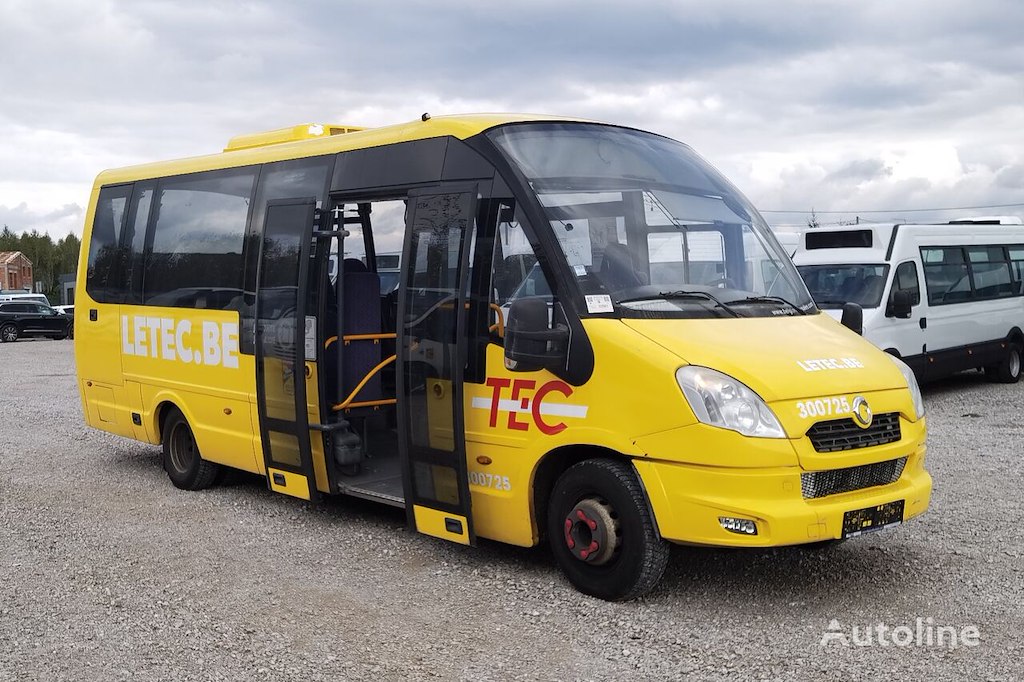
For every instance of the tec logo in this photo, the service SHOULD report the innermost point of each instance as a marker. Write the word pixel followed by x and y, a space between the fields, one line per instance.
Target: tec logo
pixel 522 397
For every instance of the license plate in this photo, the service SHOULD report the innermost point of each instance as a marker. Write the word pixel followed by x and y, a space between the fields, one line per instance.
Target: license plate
pixel 870 519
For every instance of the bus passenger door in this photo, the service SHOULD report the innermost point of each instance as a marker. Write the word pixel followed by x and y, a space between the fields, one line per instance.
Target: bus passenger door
pixel 432 347
pixel 284 343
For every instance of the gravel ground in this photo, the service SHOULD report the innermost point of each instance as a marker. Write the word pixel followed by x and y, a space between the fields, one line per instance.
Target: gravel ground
pixel 107 572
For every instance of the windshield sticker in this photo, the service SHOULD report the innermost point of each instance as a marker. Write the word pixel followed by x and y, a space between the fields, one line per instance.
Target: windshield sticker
pixel 820 364
pixel 600 303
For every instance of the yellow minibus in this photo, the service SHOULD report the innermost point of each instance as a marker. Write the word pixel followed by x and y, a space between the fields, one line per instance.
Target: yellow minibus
pixel 594 341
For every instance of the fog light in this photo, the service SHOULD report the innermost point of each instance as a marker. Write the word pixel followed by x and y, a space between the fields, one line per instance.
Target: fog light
pixel 741 526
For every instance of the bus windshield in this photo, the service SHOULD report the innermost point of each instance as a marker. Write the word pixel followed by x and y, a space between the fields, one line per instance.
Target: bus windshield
pixel 833 285
pixel 648 228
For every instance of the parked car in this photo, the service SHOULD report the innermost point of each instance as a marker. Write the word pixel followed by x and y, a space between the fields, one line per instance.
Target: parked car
pixel 22 296
pixel 68 310
pixel 27 318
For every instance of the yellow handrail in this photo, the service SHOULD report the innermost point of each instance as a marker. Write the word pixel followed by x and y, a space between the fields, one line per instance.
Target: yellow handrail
pixel 347 402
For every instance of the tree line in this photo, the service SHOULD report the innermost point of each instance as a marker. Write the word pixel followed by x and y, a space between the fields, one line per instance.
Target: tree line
pixel 49 259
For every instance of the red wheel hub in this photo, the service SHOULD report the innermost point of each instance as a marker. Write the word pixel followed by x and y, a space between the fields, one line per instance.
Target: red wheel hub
pixel 591 531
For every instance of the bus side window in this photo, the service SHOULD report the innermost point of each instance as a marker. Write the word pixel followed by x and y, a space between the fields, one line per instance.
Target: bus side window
pixel 195 257
pixel 103 278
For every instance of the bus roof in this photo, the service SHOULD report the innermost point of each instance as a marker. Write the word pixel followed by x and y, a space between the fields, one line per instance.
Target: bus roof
pixel 317 139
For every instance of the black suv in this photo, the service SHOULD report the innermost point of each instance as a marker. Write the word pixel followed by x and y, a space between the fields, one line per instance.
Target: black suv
pixel 18 319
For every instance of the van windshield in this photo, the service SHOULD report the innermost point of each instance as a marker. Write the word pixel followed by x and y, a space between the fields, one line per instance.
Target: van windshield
pixel 648 228
pixel 833 285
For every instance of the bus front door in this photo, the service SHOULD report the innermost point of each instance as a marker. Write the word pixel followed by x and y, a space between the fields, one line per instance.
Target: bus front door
pixel 285 346
pixel 432 348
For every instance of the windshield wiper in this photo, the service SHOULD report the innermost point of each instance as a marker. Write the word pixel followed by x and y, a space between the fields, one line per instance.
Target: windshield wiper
pixel 770 299
pixel 702 295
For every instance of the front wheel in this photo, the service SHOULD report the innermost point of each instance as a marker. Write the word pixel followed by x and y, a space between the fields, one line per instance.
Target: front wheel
pixel 602 533
pixel 183 463
pixel 1008 371
pixel 8 333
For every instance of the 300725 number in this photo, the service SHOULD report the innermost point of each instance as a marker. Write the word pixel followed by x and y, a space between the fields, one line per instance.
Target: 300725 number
pixel 824 407
pixel 494 481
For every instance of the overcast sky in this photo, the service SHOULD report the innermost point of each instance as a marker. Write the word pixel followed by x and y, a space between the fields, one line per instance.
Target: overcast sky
pixel 845 106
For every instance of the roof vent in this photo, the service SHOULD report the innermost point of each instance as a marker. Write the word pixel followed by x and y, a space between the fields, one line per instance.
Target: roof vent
pixel 305 131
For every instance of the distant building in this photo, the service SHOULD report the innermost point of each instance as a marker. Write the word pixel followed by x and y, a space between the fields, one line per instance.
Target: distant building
pixel 15 270
pixel 67 289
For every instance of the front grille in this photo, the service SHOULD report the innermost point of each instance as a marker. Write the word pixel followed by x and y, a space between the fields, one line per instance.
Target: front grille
pixel 844 434
pixel 834 481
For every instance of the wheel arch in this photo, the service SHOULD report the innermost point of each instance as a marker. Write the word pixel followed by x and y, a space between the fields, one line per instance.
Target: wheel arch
pixel 162 411
pixel 554 464
pixel 1016 336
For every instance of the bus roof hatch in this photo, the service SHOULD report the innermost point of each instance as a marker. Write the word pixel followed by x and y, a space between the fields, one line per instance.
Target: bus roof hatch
pixel 304 131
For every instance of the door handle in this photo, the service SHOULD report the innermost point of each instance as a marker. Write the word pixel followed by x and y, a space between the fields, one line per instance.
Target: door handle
pixel 924 323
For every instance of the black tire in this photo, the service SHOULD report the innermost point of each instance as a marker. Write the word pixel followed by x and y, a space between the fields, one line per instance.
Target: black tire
pixel 183 463
pixel 8 333
pixel 1009 370
pixel 619 557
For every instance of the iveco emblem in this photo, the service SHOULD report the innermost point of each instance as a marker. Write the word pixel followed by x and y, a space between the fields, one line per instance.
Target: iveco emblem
pixel 861 412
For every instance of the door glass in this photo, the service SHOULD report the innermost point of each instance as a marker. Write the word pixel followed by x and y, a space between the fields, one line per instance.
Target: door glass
pixel 280 329
pixel 431 363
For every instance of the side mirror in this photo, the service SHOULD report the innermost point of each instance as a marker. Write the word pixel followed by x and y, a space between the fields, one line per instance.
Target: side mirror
pixel 530 341
pixel 853 317
pixel 900 305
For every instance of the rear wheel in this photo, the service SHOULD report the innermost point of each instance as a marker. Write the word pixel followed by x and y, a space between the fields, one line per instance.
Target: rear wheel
pixel 602 533
pixel 1008 371
pixel 183 463
pixel 8 333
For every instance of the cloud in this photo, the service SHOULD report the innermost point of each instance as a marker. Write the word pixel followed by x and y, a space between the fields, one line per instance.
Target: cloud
pixel 799 103
pixel 860 171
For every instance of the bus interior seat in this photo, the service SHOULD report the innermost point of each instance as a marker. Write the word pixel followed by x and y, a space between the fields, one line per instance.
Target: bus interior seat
pixel 359 287
pixel 871 289
pixel 617 270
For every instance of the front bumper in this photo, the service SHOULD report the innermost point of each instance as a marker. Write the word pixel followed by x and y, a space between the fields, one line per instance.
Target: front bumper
pixel 687 501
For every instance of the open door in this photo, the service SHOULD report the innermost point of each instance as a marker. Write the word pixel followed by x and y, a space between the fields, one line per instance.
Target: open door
pixel 285 344
pixel 432 348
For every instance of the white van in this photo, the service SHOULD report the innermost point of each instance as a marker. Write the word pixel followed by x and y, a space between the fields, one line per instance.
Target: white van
pixel 23 296
pixel 968 314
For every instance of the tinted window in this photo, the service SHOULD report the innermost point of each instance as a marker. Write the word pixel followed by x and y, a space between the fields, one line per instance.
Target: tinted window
pixel 195 259
pixel 135 240
pixel 103 278
pixel 301 178
pixel 957 274
pixel 906 280
pixel 990 272
pixel 945 274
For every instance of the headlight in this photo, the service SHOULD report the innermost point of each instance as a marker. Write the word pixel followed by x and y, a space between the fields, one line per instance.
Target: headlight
pixel 719 400
pixel 915 390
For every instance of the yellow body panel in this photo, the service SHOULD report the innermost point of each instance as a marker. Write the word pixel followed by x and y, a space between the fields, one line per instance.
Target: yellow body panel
pixel 289 483
pixel 692 472
pixel 460 127
pixel 436 523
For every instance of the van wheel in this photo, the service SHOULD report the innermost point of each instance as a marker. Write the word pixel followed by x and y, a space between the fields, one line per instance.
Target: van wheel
pixel 9 333
pixel 1007 371
pixel 601 531
pixel 183 463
